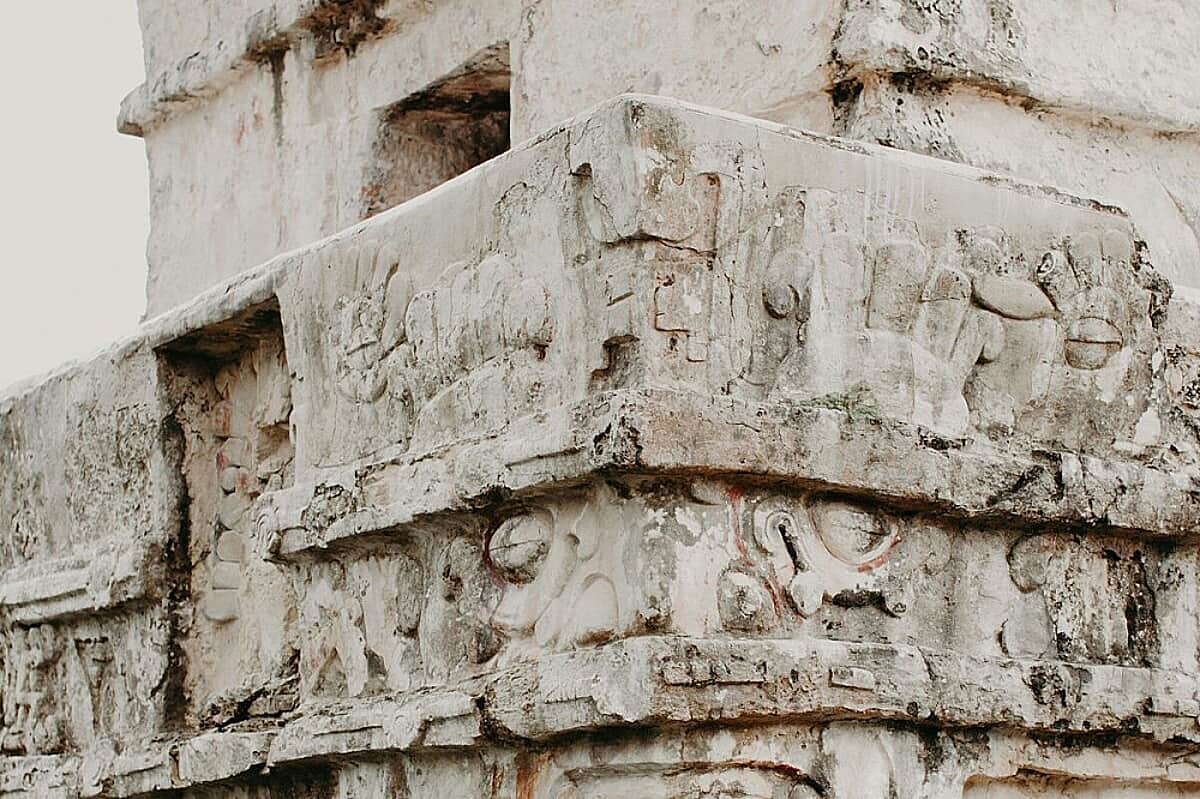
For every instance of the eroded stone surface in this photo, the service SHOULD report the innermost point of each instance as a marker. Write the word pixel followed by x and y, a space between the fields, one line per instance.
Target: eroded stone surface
pixel 239 92
pixel 671 454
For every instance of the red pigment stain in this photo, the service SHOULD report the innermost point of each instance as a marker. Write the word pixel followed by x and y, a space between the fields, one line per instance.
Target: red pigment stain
pixel 527 772
pixel 881 558
pixel 735 495
pixel 492 572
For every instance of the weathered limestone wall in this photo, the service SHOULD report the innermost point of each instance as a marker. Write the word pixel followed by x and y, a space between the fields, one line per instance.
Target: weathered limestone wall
pixel 295 120
pixel 645 448
pixel 1084 96
pixel 276 121
pixel 672 454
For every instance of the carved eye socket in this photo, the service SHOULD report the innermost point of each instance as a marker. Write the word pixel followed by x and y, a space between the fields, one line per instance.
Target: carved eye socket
pixel 518 547
pixel 779 298
pixel 851 533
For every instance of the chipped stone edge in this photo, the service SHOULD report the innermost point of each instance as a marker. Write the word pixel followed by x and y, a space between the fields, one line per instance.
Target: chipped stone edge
pixel 118 573
pixel 639 429
pixel 652 681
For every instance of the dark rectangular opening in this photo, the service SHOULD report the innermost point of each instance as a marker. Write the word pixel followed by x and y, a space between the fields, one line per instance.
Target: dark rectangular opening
pixel 450 126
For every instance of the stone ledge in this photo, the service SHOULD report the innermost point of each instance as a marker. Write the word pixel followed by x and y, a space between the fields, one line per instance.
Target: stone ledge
pixel 656 682
pixel 116 573
pixel 309 34
pixel 1008 52
pixel 659 432
pixel 1025 51
pixel 265 35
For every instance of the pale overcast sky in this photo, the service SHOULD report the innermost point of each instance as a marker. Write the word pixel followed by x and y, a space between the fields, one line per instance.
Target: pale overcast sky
pixel 74 199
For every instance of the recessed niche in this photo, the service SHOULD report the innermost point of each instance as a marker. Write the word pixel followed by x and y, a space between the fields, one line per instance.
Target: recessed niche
pixel 231 395
pixel 454 124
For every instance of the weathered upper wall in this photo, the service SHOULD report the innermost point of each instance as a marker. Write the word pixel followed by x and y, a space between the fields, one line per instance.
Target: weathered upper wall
pixel 763 59
pixel 282 123
pixel 1086 98
pixel 1101 61
pixel 309 132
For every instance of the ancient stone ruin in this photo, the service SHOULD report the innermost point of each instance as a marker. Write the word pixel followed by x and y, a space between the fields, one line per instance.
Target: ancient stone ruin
pixel 831 429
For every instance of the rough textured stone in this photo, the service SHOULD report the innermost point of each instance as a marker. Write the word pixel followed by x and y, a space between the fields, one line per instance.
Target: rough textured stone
pixel 670 453
pixel 229 106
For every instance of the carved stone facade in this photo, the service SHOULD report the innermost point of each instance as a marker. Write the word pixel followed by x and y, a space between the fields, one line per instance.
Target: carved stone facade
pixel 673 453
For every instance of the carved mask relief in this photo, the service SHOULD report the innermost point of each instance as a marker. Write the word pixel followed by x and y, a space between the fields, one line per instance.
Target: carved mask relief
pixel 415 362
pixel 562 573
pixel 888 325
pixel 817 548
pixel 976 331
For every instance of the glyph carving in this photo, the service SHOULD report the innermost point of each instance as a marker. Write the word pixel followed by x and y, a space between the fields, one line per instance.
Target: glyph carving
pixel 563 572
pixel 415 353
pixel 368 329
pixel 71 477
pixel 475 338
pixel 1086 606
pixel 885 321
pixel 34 723
pixel 23 496
pixel 395 620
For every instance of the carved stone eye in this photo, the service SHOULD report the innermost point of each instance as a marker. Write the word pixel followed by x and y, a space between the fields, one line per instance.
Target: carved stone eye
pixel 851 533
pixel 779 298
pixel 519 546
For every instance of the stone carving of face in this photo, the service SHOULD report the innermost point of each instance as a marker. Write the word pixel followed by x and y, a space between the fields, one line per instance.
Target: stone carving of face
pixel 821 546
pixel 560 568
pixel 1083 282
